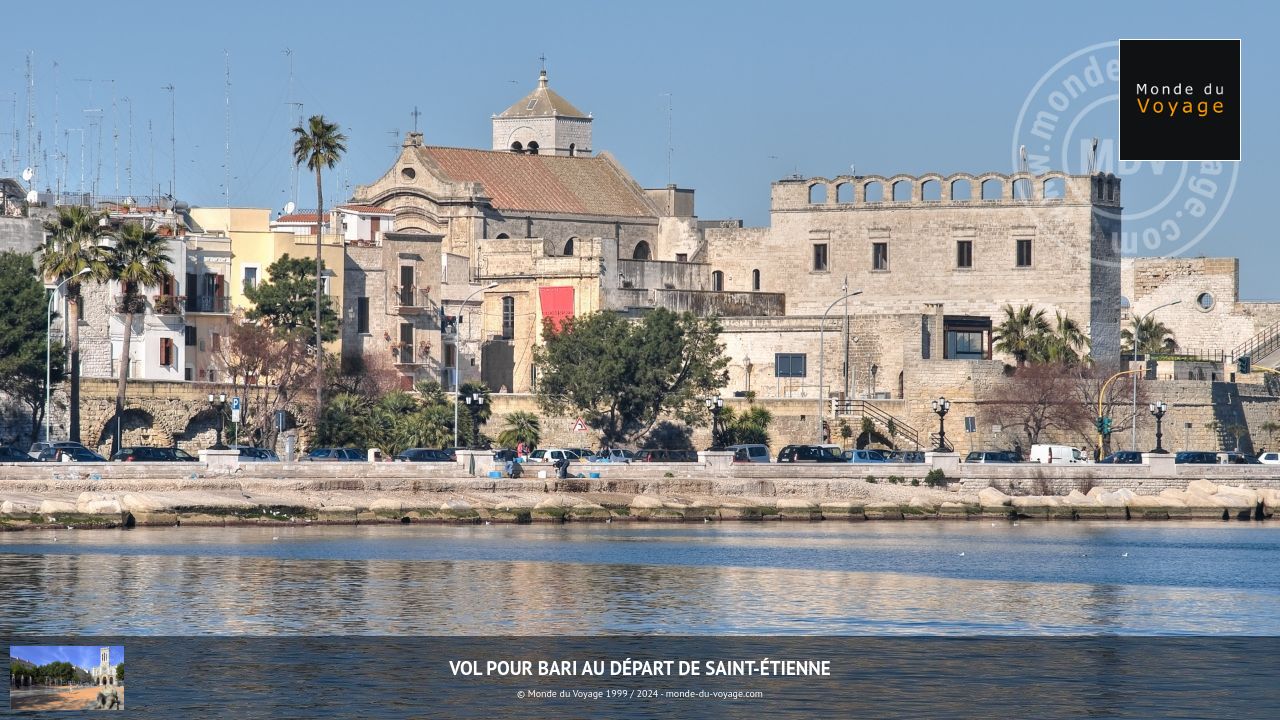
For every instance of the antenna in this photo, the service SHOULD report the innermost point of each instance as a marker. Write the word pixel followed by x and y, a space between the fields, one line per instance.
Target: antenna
pixel 115 137
pixel 151 143
pixel 226 151
pixel 395 136
pixel 173 141
pixel 289 207
pixel 669 149
pixel 94 123
pixel 56 133
pixel 31 111
pixel 293 166
pixel 128 168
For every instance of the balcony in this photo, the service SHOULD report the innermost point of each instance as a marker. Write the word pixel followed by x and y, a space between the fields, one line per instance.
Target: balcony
pixel 169 304
pixel 132 303
pixel 410 300
pixel 208 304
pixel 404 355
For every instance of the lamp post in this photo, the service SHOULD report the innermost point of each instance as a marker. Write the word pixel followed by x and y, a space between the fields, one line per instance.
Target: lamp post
pixel 475 400
pixel 48 344
pixel 218 402
pixel 822 356
pixel 457 386
pixel 715 405
pixel 1158 410
pixel 941 406
pixel 1137 343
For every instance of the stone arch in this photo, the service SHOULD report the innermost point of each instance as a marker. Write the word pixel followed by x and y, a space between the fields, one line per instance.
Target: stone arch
pixel 873 190
pixel 844 193
pixel 502 236
pixel 931 189
pixel 568 247
pixel 991 188
pixel 201 431
pixel 875 437
pixel 902 189
pixel 817 193
pixel 532 147
pixel 641 251
pixel 573 149
pixel 1021 188
pixel 1053 187
pixel 517 147
pixel 137 427
pixel 960 188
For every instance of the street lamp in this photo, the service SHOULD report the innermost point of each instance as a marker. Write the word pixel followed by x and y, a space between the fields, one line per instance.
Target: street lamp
pixel 1137 343
pixel 48 343
pixel 457 386
pixel 941 406
pixel 475 400
pixel 822 356
pixel 716 405
pixel 1158 410
pixel 218 402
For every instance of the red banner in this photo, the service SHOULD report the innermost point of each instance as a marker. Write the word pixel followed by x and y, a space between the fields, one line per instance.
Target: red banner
pixel 557 304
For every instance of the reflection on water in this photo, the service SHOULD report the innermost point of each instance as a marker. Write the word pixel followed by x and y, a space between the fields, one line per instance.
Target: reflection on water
pixel 744 579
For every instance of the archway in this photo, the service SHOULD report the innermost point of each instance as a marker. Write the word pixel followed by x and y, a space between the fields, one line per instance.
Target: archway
pixel 200 432
pixel 516 147
pixel 568 246
pixel 641 252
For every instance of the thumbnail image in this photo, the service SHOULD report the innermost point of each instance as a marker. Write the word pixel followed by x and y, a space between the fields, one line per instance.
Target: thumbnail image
pixel 66 677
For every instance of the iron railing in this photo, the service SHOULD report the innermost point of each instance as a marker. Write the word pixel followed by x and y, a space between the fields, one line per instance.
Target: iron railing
pixel 879 416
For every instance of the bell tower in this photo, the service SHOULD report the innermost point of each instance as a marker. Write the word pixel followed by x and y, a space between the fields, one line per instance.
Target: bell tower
pixel 543 123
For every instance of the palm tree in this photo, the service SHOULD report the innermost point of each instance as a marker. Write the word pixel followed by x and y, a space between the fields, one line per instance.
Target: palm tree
pixel 1067 343
pixel 521 427
pixel 70 248
pixel 139 259
pixel 319 144
pixel 1022 332
pixel 1155 336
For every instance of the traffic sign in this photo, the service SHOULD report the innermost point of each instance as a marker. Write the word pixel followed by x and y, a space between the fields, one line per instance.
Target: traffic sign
pixel 579 426
pixel 235 409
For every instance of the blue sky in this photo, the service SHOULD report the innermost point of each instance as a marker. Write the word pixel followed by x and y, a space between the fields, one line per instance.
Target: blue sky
pixel 757 90
pixel 82 656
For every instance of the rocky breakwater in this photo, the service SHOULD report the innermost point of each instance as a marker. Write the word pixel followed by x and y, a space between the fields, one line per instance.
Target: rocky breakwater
pixel 1202 500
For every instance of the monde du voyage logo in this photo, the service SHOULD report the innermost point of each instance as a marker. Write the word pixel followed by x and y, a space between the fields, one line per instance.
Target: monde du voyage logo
pixel 1180 100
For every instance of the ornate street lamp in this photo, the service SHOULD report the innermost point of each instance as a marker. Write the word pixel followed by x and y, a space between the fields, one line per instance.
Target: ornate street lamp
pixel 716 405
pixel 218 402
pixel 1157 411
pixel 941 406
pixel 474 400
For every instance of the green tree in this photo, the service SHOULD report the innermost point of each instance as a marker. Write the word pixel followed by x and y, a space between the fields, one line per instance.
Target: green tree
pixel 1066 343
pixel 1238 431
pixel 751 426
pixel 284 301
pixel 22 337
pixel 623 376
pixel 477 414
pixel 1022 332
pixel 120 673
pixel 319 144
pixel 1154 337
pixel 71 252
pixel 139 259
pixel 521 427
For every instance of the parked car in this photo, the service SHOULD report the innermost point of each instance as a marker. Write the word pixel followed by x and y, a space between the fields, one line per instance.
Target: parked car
pixel 248 453
pixel 554 454
pixel 906 456
pixel 1196 457
pixel 337 454
pixel 613 455
pixel 425 455
pixel 1235 458
pixel 809 454
pixel 1123 457
pixel 1056 455
pixel 750 452
pixel 38 449
pixel 142 453
pixel 8 454
pixel 1269 458
pixel 864 456
pixel 666 456
pixel 505 455
pixel 992 456
pixel 70 454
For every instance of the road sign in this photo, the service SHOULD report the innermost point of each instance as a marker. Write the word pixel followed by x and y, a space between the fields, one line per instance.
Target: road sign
pixel 579 426
pixel 970 424
pixel 235 409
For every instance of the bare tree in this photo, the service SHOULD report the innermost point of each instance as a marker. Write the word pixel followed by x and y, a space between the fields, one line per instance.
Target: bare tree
pixel 1039 400
pixel 267 370
pixel 1119 403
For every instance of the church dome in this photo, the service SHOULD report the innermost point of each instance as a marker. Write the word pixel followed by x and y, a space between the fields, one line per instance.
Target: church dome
pixel 542 102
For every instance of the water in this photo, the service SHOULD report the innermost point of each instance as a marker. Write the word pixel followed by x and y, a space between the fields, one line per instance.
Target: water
pixel 829 578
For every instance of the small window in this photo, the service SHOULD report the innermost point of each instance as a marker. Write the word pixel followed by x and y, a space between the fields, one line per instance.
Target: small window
pixel 508 317
pixel 568 246
pixel 362 314
pixel 532 147
pixel 755 280
pixel 189 336
pixel 717 281
pixel 168 354
pixel 1205 301
pixel 964 253
pixel 879 256
pixel 820 257
pixel 573 150
pixel 533 101
pixel 641 252
pixel 215 342
pixel 502 236
pixel 682 257
pixel 1024 253
pixel 250 278
pixel 789 365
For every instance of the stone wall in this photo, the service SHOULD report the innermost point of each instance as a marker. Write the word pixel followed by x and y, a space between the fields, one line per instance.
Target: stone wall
pixel 20 234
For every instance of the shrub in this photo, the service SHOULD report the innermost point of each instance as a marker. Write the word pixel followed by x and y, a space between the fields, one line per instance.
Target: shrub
pixel 896 479
pixel 915 482
pixel 935 478
pixel 871 479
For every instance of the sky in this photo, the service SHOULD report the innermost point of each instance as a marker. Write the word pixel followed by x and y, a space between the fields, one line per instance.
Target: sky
pixel 82 656
pixel 743 94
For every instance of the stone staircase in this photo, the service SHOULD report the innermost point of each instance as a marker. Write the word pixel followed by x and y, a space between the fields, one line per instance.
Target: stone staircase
pixel 888 425
pixel 1263 348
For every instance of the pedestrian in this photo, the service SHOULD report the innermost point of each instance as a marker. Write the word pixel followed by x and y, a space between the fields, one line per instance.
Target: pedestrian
pixel 562 468
pixel 522 450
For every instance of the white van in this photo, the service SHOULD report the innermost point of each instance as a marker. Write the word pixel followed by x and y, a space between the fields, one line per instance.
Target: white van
pixel 1056 455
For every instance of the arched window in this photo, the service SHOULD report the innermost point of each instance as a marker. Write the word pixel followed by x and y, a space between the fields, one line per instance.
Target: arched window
pixel 573 150
pixel 844 192
pixel 1022 189
pixel 961 190
pixel 517 147
pixel 931 191
pixel 717 281
pixel 503 236
pixel 568 246
pixel 755 280
pixel 508 317
pixel 902 191
pixel 992 189
pixel 533 147
pixel 873 192
pixel 1054 189
pixel 641 252
pixel 818 193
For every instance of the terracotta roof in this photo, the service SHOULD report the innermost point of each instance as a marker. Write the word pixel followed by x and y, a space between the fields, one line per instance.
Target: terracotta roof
pixel 542 102
pixel 298 218
pixel 366 209
pixel 544 183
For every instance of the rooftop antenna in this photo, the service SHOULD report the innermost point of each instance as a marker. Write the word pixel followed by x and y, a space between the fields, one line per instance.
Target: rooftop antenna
pixel 293 167
pixel 115 137
pixel 56 130
pixel 226 150
pixel 395 139
pixel 31 115
pixel 128 167
pixel 95 122
pixel 151 143
pixel 173 141
pixel 669 150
